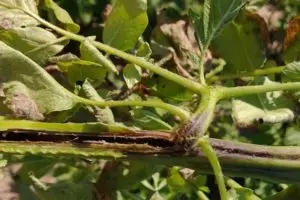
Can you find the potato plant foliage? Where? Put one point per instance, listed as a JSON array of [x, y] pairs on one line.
[[137, 99]]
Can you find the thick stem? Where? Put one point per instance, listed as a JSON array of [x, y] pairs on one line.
[[192, 85]]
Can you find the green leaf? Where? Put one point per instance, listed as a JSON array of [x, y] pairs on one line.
[[79, 70], [270, 107], [215, 16], [242, 194], [90, 53], [125, 24], [292, 192], [104, 115], [292, 136], [177, 183], [132, 74], [11, 18], [36, 43], [149, 120], [44, 90], [125, 175], [172, 91], [68, 191], [144, 50], [62, 16], [292, 71], [241, 45]]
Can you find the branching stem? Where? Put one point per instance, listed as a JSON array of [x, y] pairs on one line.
[[192, 85]]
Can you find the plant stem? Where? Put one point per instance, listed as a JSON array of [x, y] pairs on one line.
[[257, 72], [201, 195], [226, 92], [192, 85], [201, 67], [184, 115], [203, 143]]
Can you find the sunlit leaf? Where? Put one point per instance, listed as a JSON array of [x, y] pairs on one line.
[[61, 15], [36, 43], [44, 90], [126, 22], [270, 107], [242, 43], [11, 18]]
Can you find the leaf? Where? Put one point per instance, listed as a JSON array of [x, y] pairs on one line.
[[104, 115], [292, 71], [11, 18], [292, 136], [62, 16], [132, 74], [169, 90], [19, 102], [292, 192], [242, 194], [149, 120], [37, 43], [144, 50], [125, 24], [271, 107], [242, 43], [291, 49], [177, 183], [215, 16], [79, 70], [89, 52], [44, 90]]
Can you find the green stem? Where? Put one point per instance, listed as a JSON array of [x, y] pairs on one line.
[[203, 143], [201, 68], [192, 85], [201, 195], [184, 115], [257, 72], [226, 92]]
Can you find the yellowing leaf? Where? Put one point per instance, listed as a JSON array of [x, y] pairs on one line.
[[271, 107], [292, 41], [11, 17], [35, 42], [43, 89]]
